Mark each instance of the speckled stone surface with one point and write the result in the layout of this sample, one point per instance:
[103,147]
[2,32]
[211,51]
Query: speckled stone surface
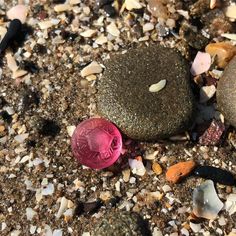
[124,97]
[122,224]
[226,93]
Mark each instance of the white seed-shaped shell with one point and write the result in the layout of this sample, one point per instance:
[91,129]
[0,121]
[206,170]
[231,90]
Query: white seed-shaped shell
[154,88]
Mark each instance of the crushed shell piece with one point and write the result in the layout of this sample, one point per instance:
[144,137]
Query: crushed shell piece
[206,203]
[92,68]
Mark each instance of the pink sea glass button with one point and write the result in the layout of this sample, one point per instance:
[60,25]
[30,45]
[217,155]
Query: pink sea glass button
[96,143]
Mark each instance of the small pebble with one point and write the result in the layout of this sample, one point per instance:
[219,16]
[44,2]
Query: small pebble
[212,134]
[223,51]
[180,170]
[156,168]
[110,10]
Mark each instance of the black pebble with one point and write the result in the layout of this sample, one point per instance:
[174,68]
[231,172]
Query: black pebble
[6,117]
[101,3]
[215,174]
[30,98]
[110,10]
[2,102]
[58,1]
[40,49]
[49,128]
[30,66]
[87,207]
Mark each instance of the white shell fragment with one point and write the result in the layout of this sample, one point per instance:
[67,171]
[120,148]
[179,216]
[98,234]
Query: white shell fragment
[137,167]
[206,93]
[92,68]
[231,11]
[30,213]
[88,33]
[63,207]
[229,36]
[49,190]
[11,62]
[154,88]
[230,204]
[206,203]
[62,7]
[132,4]
[201,63]
[113,30]
[19,12]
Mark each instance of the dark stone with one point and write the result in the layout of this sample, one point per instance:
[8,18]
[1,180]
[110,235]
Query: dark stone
[226,93]
[30,66]
[49,128]
[124,97]
[30,99]
[122,224]
[40,49]
[2,102]
[192,36]
[6,117]
[87,207]
[58,1]
[110,10]
[101,3]
[215,174]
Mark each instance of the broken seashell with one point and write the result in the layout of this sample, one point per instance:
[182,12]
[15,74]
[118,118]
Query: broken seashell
[154,88]
[113,30]
[231,11]
[229,36]
[206,203]
[92,68]
[88,33]
[19,12]
[201,63]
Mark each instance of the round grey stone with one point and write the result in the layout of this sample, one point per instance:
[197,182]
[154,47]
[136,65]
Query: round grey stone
[124,97]
[122,224]
[226,93]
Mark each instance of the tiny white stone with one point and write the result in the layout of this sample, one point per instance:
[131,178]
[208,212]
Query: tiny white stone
[19,12]
[63,207]
[148,27]
[49,190]
[30,213]
[32,229]
[70,130]
[206,93]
